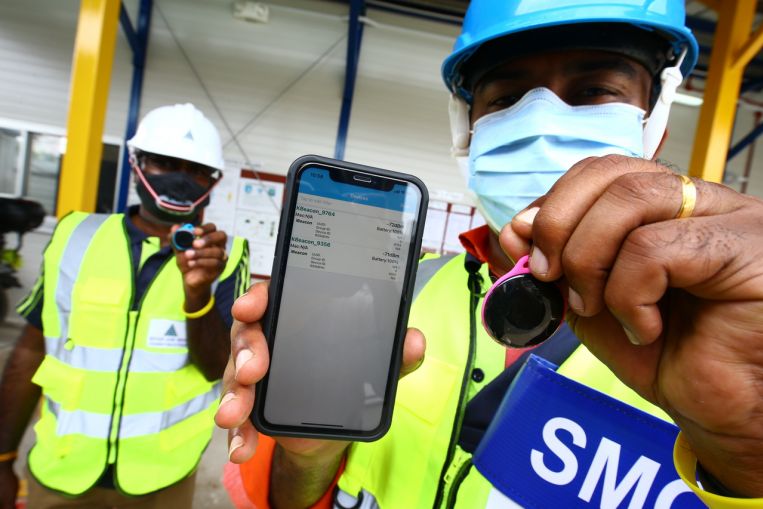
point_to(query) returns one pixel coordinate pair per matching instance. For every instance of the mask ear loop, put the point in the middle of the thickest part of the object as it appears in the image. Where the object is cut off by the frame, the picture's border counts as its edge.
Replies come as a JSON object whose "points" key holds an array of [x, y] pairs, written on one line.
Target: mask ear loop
{"points": [[655, 125], [461, 134], [179, 209], [458, 111]]}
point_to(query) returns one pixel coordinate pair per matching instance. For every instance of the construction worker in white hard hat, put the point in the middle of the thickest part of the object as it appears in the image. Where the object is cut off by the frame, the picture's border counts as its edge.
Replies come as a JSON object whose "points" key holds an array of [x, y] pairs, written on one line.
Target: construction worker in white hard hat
{"points": [[127, 335], [558, 110]]}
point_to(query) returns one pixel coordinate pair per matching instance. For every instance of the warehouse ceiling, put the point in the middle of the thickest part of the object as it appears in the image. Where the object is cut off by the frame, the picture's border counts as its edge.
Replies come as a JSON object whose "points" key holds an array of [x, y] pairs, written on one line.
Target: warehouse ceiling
{"points": [[454, 8], [700, 18]]}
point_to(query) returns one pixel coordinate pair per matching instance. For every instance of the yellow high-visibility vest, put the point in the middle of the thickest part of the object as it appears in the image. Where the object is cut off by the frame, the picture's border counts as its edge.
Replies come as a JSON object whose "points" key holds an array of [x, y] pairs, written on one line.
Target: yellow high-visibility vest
{"points": [[406, 466], [118, 386]]}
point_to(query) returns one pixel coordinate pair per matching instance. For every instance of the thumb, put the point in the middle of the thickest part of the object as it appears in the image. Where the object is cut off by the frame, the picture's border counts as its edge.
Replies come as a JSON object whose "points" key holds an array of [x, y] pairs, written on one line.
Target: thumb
{"points": [[516, 236], [413, 351]]}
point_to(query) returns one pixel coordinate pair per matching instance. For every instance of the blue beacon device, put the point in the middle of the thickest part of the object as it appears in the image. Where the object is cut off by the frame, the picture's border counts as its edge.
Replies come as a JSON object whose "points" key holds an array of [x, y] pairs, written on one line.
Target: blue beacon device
{"points": [[183, 237]]}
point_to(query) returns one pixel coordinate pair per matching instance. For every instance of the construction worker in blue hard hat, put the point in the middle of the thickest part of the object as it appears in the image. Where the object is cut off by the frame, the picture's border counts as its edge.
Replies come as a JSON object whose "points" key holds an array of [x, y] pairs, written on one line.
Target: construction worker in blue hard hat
{"points": [[127, 336], [558, 110]]}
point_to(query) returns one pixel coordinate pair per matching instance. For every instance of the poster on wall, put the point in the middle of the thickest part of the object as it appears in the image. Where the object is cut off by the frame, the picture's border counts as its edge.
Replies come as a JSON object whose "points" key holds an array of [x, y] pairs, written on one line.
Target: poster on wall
{"points": [[248, 204], [257, 211], [223, 201]]}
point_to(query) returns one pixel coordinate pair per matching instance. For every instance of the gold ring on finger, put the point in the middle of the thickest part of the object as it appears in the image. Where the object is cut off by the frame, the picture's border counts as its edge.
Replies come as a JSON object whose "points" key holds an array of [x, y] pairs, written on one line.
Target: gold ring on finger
{"points": [[688, 197]]}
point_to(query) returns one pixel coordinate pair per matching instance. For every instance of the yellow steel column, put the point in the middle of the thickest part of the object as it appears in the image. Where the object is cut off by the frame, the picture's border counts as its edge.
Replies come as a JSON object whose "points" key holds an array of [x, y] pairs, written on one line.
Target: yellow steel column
{"points": [[88, 97], [716, 118], [751, 48]]}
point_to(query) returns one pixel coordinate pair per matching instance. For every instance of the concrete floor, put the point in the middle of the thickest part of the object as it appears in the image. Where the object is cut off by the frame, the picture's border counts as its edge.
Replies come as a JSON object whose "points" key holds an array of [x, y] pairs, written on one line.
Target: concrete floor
{"points": [[210, 493]]}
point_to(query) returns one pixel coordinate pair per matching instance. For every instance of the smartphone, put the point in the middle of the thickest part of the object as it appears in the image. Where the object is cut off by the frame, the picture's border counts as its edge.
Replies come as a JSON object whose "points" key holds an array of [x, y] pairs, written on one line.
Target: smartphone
{"points": [[346, 255]]}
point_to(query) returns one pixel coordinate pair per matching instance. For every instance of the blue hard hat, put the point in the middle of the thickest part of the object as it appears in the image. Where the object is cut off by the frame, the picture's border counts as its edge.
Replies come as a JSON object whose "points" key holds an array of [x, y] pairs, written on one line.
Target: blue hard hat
{"points": [[488, 20]]}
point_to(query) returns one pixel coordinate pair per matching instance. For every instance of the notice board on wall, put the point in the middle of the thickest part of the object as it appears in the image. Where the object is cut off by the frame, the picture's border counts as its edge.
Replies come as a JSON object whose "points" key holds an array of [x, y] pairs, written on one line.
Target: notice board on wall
{"points": [[445, 222], [248, 204]]}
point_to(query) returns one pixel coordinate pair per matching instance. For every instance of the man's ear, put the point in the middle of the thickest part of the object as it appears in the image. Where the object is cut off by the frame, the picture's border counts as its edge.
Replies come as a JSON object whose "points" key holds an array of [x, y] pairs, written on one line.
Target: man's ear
{"points": [[662, 143]]}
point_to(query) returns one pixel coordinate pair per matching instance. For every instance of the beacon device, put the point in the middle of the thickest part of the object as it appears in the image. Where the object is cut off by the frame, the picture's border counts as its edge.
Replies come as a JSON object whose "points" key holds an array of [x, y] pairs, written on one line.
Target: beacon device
{"points": [[520, 310], [183, 237]]}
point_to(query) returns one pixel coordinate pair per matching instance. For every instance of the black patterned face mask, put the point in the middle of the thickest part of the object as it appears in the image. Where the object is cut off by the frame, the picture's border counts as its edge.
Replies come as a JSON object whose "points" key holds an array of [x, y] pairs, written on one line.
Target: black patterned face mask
{"points": [[171, 197]]}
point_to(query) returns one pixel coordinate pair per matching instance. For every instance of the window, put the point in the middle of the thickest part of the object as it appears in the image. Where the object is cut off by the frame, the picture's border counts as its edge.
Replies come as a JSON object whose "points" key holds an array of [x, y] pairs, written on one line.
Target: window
{"points": [[30, 165], [43, 167]]}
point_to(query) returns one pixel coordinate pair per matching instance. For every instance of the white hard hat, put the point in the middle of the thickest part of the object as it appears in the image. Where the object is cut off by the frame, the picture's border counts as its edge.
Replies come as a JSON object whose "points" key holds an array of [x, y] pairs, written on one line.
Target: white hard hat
{"points": [[179, 131]]}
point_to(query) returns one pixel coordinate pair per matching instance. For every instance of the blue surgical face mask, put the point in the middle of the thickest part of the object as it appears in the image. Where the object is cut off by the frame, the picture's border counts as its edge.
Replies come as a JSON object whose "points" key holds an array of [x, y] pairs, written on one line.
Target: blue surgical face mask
{"points": [[517, 154]]}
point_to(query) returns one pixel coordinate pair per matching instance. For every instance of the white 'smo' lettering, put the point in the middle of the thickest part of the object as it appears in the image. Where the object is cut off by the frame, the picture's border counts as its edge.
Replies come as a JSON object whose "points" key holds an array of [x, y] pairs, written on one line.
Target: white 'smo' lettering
{"points": [[603, 470], [639, 478], [569, 460]]}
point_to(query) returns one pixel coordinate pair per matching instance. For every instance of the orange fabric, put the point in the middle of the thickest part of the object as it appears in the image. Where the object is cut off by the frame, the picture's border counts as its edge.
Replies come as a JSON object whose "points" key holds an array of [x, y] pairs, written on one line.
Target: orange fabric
{"points": [[477, 242], [255, 478], [513, 354], [234, 485], [255, 473]]}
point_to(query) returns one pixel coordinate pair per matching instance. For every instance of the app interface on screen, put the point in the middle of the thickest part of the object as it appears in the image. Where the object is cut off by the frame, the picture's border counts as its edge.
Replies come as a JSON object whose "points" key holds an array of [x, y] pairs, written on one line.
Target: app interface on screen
{"points": [[340, 302]]}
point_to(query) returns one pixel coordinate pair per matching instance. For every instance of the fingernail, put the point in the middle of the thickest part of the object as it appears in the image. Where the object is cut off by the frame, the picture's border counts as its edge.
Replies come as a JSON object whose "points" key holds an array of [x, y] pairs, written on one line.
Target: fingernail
{"points": [[527, 216], [228, 396], [242, 358], [190, 253], [235, 443], [631, 336], [575, 301], [538, 262]]}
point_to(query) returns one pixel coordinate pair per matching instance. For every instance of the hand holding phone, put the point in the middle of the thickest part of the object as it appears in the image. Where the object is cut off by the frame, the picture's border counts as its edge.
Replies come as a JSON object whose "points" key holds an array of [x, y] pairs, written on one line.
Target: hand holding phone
{"points": [[346, 257], [247, 365]]}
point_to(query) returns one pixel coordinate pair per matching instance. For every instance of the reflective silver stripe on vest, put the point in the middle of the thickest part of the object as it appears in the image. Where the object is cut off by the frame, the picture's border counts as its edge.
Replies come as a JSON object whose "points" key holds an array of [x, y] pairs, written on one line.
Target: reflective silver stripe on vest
{"points": [[69, 267], [344, 500], [79, 421], [95, 425], [426, 270], [108, 359], [136, 425], [83, 357]]}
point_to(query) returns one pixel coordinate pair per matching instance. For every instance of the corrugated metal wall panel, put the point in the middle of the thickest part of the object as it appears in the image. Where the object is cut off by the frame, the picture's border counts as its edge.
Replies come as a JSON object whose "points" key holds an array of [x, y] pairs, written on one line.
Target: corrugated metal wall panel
{"points": [[246, 67], [400, 114], [36, 44], [399, 96]]}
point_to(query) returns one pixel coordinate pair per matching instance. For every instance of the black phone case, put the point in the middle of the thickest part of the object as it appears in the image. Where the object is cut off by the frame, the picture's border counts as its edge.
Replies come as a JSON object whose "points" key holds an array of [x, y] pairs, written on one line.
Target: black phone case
{"points": [[274, 295]]}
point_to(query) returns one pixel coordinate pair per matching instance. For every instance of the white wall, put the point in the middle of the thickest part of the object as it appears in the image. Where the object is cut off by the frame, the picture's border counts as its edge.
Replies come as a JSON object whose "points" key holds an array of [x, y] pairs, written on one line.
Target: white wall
{"points": [[278, 85], [257, 75]]}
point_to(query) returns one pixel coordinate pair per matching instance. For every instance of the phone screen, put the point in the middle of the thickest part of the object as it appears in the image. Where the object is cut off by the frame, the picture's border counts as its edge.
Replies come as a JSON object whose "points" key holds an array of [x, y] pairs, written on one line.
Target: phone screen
{"points": [[348, 253]]}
